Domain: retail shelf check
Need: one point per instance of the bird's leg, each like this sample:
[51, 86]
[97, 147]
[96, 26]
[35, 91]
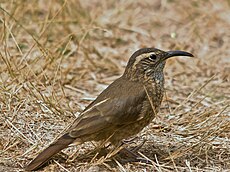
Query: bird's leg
[137, 148]
[131, 155]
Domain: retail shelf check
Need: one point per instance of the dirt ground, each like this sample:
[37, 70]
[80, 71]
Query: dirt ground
[57, 56]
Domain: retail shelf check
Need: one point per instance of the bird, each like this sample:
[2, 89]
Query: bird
[122, 110]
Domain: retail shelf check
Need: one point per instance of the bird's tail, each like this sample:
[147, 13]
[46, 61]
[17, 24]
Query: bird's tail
[45, 155]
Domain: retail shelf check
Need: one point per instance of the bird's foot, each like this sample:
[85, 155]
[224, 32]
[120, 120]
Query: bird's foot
[131, 155]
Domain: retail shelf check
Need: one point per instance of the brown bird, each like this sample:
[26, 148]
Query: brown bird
[123, 109]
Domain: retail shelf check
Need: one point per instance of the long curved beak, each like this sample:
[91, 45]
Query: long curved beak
[177, 53]
[169, 54]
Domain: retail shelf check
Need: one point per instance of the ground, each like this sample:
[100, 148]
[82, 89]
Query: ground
[57, 56]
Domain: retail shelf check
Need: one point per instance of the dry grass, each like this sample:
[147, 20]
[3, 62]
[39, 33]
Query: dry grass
[57, 56]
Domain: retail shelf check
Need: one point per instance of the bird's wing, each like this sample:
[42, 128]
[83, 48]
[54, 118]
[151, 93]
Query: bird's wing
[120, 104]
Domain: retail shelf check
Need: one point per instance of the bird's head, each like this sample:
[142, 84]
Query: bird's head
[149, 61]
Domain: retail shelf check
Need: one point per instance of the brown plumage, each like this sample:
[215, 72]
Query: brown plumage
[123, 109]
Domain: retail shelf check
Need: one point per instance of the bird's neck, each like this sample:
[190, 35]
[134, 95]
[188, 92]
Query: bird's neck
[155, 87]
[153, 83]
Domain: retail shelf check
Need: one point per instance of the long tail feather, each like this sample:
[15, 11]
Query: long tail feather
[45, 155]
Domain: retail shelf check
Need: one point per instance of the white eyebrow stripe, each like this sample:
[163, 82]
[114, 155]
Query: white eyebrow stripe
[140, 57]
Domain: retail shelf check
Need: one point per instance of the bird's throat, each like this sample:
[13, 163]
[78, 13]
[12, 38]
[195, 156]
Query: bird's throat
[154, 87]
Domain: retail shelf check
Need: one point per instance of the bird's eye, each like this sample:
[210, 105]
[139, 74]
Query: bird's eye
[152, 57]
